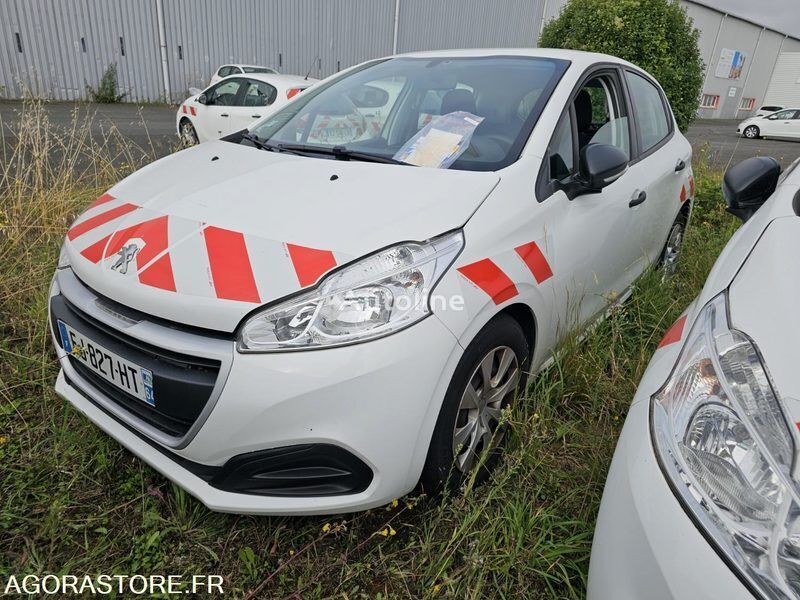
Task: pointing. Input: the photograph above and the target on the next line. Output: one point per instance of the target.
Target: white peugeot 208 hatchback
(702, 500)
(317, 313)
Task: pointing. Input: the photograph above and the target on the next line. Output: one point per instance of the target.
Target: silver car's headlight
(723, 440)
(370, 298)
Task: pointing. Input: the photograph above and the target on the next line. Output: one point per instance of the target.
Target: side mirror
(748, 184)
(202, 99)
(601, 165)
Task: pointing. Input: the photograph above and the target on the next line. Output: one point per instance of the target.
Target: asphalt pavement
(152, 128)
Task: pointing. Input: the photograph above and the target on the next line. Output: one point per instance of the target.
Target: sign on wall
(730, 65)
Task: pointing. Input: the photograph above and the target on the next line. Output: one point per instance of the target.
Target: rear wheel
(751, 131)
(188, 134)
(471, 427)
(673, 247)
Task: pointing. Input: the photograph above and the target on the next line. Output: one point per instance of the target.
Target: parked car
(234, 103)
(783, 124)
(228, 70)
(702, 498)
(282, 323)
(768, 109)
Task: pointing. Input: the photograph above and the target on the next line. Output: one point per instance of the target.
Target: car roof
(577, 57)
(277, 79)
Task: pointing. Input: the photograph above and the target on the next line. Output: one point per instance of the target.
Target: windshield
(378, 108)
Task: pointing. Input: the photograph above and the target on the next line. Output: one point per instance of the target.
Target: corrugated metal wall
(55, 48)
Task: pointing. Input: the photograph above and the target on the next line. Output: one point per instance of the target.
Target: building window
(747, 104)
(709, 101)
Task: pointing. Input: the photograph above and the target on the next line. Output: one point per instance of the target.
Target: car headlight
(722, 438)
(373, 297)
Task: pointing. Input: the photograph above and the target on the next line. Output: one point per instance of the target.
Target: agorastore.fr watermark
(123, 586)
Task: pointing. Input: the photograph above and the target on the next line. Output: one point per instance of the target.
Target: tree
(656, 35)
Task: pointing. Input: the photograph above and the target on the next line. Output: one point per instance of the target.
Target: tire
(448, 465)
(188, 134)
(751, 132)
(672, 249)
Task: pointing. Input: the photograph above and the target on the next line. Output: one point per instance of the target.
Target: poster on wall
(730, 65)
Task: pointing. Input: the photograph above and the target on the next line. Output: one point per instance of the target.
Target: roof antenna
(311, 67)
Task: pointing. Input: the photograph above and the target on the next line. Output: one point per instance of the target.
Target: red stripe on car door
(491, 279)
(100, 219)
(674, 333)
(309, 263)
(535, 261)
(230, 265)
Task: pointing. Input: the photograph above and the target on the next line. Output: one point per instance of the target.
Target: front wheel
(673, 247)
(751, 132)
(188, 134)
(471, 426)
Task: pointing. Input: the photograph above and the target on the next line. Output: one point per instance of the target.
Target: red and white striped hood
(219, 229)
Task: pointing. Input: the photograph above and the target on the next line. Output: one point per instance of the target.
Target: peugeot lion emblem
(124, 258)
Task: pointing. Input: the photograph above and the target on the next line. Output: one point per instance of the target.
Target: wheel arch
(525, 317)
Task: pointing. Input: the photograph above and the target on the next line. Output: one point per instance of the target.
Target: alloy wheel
(478, 421)
(672, 251)
(751, 132)
(188, 134)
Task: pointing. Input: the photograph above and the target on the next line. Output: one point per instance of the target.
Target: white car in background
(702, 500)
(783, 124)
(234, 103)
(228, 70)
(289, 321)
(768, 109)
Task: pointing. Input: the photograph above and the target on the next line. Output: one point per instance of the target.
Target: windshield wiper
(341, 153)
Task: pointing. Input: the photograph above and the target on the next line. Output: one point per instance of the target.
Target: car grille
(182, 384)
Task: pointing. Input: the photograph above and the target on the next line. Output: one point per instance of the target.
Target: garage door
(784, 87)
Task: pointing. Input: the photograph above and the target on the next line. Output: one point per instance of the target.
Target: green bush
(656, 35)
(106, 92)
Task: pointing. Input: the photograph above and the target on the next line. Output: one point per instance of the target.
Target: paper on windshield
(440, 142)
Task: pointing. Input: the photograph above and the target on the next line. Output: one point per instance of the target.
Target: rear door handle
(224, 115)
(680, 165)
(638, 199)
(255, 116)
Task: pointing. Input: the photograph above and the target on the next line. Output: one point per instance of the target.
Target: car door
(252, 103)
(777, 124)
(590, 232)
(794, 125)
(221, 99)
(661, 166)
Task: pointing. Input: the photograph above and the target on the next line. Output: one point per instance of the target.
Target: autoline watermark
(103, 585)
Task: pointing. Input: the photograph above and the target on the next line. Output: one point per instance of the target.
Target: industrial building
(56, 48)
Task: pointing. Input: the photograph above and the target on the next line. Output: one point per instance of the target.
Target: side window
(600, 114)
(258, 93)
(224, 93)
(783, 115)
(225, 71)
(651, 114)
(561, 154)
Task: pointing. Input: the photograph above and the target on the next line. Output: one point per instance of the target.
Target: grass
(73, 501)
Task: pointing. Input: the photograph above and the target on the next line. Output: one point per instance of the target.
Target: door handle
(224, 115)
(638, 199)
(680, 165)
(255, 116)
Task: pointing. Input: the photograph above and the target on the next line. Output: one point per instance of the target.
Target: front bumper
(376, 401)
(645, 545)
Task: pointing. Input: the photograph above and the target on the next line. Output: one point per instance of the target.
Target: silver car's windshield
(378, 109)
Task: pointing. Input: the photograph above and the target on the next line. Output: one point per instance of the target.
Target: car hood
(204, 236)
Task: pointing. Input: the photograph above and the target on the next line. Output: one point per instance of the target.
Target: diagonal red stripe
(95, 252)
(691, 185)
(101, 200)
(230, 265)
(100, 219)
(309, 263)
(491, 279)
(683, 193)
(674, 333)
(535, 260)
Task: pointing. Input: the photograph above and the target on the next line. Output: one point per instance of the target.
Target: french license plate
(124, 374)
